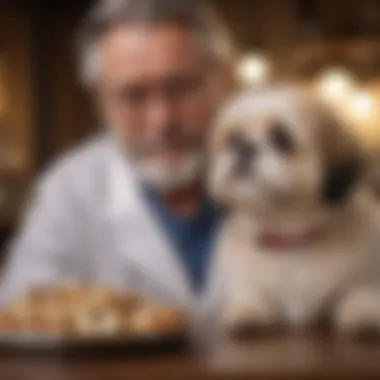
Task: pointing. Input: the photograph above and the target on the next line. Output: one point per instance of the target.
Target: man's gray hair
(192, 14)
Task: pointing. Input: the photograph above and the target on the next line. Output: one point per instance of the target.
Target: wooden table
(280, 358)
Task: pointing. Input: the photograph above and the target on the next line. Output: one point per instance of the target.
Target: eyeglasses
(175, 89)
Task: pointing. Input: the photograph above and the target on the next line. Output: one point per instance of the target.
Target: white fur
(295, 285)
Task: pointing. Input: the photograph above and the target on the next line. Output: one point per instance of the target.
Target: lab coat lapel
(139, 236)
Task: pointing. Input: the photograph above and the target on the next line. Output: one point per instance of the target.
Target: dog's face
(278, 149)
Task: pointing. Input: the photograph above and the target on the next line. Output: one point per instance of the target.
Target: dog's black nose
(245, 152)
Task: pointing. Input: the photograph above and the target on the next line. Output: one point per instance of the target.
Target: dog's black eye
(281, 138)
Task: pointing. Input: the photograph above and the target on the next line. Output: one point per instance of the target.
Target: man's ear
(343, 160)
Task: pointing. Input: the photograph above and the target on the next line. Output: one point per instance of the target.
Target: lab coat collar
(147, 247)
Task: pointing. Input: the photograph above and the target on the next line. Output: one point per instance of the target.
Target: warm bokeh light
(362, 112)
(358, 104)
(253, 69)
(335, 84)
(364, 105)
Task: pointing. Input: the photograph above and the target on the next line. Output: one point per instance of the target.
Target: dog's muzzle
(245, 153)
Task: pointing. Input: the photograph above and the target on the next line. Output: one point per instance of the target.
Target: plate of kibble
(76, 316)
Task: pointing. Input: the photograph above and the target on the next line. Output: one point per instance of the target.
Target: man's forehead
(134, 48)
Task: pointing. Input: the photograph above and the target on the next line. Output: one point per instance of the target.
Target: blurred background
(333, 47)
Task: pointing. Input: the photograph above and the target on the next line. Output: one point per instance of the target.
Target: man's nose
(162, 113)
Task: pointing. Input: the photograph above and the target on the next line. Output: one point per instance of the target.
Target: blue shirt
(192, 236)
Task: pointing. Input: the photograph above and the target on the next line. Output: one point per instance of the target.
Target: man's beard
(166, 177)
(166, 174)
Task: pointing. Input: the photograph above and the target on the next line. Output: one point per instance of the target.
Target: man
(129, 209)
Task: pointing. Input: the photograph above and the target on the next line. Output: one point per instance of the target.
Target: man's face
(155, 92)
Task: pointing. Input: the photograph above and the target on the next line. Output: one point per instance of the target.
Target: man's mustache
(174, 140)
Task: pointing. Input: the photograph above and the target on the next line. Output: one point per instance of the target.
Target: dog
(301, 234)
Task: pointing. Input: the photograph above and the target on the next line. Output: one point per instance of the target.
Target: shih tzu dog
(300, 239)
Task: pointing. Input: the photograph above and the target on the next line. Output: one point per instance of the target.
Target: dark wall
(50, 110)
(63, 113)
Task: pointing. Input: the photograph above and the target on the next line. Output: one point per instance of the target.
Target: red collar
(285, 241)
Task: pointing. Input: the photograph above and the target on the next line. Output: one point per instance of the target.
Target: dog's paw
(248, 321)
(359, 315)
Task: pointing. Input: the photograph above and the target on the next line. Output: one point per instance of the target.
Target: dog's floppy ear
(219, 182)
(217, 188)
(343, 159)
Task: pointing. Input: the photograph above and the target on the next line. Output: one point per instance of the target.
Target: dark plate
(78, 346)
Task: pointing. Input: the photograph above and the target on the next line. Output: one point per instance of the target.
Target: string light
(364, 105)
(335, 84)
(253, 69)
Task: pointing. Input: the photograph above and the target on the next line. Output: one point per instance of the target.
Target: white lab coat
(88, 221)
